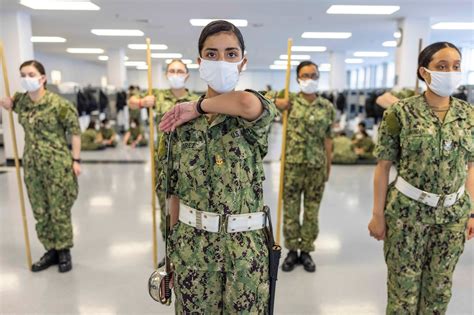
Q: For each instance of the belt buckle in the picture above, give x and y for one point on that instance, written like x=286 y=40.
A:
x=223 y=219
x=441 y=201
x=199 y=220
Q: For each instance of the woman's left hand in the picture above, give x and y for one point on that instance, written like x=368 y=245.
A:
x=178 y=115
x=470 y=229
x=76 y=168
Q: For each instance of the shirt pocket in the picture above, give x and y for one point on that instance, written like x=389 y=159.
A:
x=192 y=164
x=419 y=146
x=239 y=168
x=467 y=148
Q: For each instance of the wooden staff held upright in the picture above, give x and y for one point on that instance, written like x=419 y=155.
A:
x=283 y=145
x=17 y=161
x=151 y=119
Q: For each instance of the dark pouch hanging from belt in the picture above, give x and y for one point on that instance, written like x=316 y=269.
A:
x=274 y=254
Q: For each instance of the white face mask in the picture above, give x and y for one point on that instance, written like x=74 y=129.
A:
x=176 y=81
x=444 y=83
x=221 y=76
x=308 y=86
x=133 y=125
x=30 y=84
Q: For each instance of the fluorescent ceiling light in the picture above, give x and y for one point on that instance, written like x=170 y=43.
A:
x=363 y=9
x=354 y=60
x=285 y=62
x=143 y=46
x=397 y=34
x=327 y=35
x=185 y=61
x=59 y=5
x=126 y=58
x=142 y=67
x=296 y=57
x=85 y=50
x=370 y=54
x=103 y=58
x=47 y=39
x=134 y=63
x=309 y=48
x=277 y=67
x=389 y=43
x=204 y=22
x=167 y=55
x=110 y=32
x=193 y=66
x=453 y=26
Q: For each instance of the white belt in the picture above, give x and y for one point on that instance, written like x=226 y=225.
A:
x=213 y=222
x=432 y=200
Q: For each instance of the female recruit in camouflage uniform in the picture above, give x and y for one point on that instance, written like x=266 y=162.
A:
x=217 y=167
x=49 y=170
x=429 y=138
x=163 y=101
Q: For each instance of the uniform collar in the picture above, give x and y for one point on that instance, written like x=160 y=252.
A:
x=305 y=102
x=456 y=110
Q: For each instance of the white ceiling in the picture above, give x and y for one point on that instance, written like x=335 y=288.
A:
x=271 y=23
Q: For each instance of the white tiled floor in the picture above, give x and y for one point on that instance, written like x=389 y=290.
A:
x=112 y=253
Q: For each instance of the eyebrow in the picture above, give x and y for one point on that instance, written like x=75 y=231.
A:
x=457 y=60
x=227 y=49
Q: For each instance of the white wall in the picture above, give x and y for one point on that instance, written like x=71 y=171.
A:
x=72 y=70
x=253 y=79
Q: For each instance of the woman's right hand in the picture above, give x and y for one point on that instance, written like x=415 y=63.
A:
x=377 y=227
x=148 y=101
x=6 y=102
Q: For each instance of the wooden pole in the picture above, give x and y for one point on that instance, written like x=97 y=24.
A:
x=283 y=145
x=151 y=119
x=417 y=84
x=17 y=160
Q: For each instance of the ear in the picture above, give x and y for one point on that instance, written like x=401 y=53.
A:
x=199 y=60
x=242 y=65
x=186 y=77
x=43 y=79
x=425 y=75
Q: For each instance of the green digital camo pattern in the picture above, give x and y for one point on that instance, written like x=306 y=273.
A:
x=403 y=93
x=218 y=167
x=367 y=145
x=135 y=133
x=108 y=134
x=423 y=243
x=309 y=124
x=309 y=181
x=165 y=100
x=235 y=292
x=88 y=140
x=50 y=181
x=342 y=151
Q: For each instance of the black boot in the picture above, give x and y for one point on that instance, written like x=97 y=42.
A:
x=49 y=258
x=65 y=263
x=290 y=261
x=307 y=262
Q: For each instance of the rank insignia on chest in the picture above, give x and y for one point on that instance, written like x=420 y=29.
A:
x=448 y=145
x=219 y=160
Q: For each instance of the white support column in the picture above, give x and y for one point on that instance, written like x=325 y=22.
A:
x=406 y=60
x=15 y=33
x=116 y=72
x=337 y=80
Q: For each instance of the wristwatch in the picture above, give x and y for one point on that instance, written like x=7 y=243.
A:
x=471 y=216
x=77 y=160
x=198 y=106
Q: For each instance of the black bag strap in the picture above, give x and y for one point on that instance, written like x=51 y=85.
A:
x=269 y=228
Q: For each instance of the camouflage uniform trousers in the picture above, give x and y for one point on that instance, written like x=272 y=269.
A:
x=214 y=292
x=52 y=189
x=309 y=181
x=421 y=259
